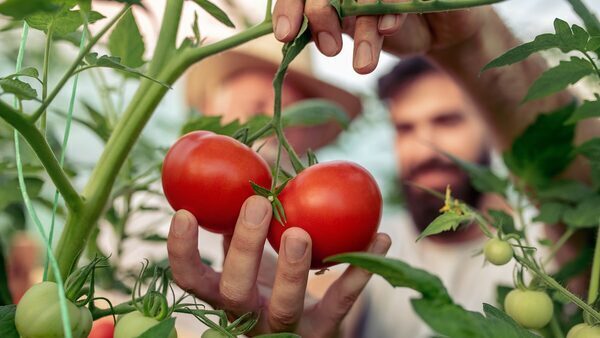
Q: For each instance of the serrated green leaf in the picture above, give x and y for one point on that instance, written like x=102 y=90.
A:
x=482 y=178
x=7 y=321
x=585 y=215
x=444 y=222
x=593 y=44
x=504 y=326
x=28 y=71
x=22 y=90
x=10 y=186
x=214 y=124
x=551 y=212
x=19 y=9
x=503 y=221
x=315 y=112
x=589 y=19
x=114 y=62
x=586 y=110
x=161 y=330
x=450 y=320
x=570 y=39
x=63 y=23
x=398 y=274
x=520 y=53
x=126 y=41
x=565 y=191
x=215 y=12
x=560 y=77
x=544 y=149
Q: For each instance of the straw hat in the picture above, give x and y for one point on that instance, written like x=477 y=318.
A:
x=263 y=53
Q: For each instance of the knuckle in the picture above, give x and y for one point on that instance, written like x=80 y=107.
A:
x=292 y=277
x=246 y=244
x=317 y=9
x=233 y=296
x=281 y=319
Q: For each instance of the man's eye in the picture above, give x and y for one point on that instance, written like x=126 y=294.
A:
x=449 y=120
x=404 y=128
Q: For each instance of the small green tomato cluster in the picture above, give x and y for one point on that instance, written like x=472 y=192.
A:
x=531 y=309
x=497 y=251
x=134 y=324
x=584 y=331
x=38 y=314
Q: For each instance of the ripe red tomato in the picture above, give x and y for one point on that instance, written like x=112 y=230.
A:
x=209 y=175
x=338 y=203
x=103 y=328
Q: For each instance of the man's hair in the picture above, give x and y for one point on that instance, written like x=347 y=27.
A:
x=403 y=74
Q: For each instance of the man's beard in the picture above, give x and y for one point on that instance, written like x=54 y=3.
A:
x=423 y=206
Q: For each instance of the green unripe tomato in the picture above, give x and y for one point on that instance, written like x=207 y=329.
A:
x=497 y=251
x=584 y=331
x=575 y=330
x=531 y=309
x=38 y=314
x=134 y=324
x=212 y=333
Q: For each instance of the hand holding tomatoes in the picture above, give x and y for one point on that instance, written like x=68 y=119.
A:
x=209 y=175
x=251 y=281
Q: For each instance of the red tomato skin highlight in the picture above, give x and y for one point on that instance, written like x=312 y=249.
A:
x=338 y=203
x=209 y=175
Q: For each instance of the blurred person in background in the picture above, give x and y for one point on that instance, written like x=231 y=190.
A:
x=461 y=43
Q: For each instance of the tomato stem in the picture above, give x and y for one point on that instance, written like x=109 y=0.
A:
x=353 y=8
x=556 y=246
x=595 y=276
x=46 y=62
x=552 y=283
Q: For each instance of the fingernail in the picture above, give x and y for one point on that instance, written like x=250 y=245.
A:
x=363 y=56
x=181 y=223
x=255 y=212
x=294 y=249
x=327 y=43
x=282 y=27
x=380 y=246
x=388 y=22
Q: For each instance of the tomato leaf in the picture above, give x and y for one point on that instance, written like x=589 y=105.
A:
x=551 y=212
x=19 y=9
x=63 y=23
x=214 y=124
x=398 y=274
x=27 y=71
x=560 y=77
x=114 y=62
x=314 y=112
x=522 y=52
x=565 y=191
x=570 y=38
x=126 y=41
x=589 y=19
x=161 y=330
x=7 y=321
x=591 y=150
x=20 y=89
x=444 y=222
x=586 y=110
x=585 y=215
x=482 y=178
x=544 y=149
x=215 y=12
x=503 y=221
x=10 y=186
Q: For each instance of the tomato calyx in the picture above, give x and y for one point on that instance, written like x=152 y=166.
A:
x=154 y=303
x=75 y=285
x=278 y=211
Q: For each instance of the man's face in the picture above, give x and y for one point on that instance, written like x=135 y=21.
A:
x=431 y=113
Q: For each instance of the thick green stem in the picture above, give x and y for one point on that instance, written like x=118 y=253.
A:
x=353 y=8
x=553 y=284
x=116 y=310
x=75 y=65
x=42 y=149
x=595 y=277
x=128 y=130
x=45 y=74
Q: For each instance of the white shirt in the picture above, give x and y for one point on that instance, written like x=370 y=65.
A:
x=468 y=280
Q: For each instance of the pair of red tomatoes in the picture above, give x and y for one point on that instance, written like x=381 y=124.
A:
x=337 y=203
